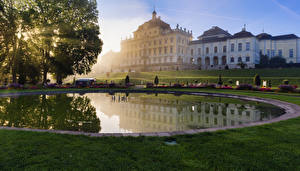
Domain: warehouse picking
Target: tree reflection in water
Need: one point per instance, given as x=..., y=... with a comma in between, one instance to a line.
x=59, y=112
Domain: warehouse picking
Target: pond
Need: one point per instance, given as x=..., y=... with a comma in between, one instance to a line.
x=130, y=113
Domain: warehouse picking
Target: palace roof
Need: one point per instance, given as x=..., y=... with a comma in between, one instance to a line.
x=265, y=36
x=214, y=32
x=242, y=34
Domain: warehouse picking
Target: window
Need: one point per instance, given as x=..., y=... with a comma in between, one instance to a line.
x=240, y=59
x=232, y=59
x=172, y=39
x=268, y=52
x=166, y=50
x=207, y=50
x=154, y=42
x=159, y=51
x=160, y=42
x=291, y=52
x=166, y=41
x=232, y=47
x=154, y=51
x=240, y=47
x=280, y=52
x=224, y=49
x=272, y=53
x=199, y=51
x=247, y=59
x=248, y=46
x=171, y=49
x=192, y=52
x=216, y=49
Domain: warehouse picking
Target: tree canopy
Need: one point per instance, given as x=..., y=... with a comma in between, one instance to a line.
x=41, y=37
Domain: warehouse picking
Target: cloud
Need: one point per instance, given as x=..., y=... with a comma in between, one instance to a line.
x=287, y=10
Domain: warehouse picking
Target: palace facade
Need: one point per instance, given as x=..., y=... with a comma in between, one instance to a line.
x=156, y=46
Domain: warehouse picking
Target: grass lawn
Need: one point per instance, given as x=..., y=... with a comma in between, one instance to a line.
x=244, y=76
x=269, y=147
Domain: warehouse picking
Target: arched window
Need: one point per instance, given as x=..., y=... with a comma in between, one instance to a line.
x=224, y=60
x=240, y=59
x=216, y=60
x=192, y=60
x=199, y=60
x=232, y=59
x=216, y=49
x=207, y=61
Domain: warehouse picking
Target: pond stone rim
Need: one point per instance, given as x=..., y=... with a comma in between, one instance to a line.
x=291, y=111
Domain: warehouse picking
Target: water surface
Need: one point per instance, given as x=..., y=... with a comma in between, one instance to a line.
x=130, y=113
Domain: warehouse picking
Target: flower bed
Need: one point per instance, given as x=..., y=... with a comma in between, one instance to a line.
x=287, y=88
x=244, y=87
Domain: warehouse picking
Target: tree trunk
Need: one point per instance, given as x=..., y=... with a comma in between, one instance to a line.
x=14, y=62
x=45, y=72
x=45, y=67
x=58, y=79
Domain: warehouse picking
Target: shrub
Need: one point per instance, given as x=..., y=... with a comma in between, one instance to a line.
x=112, y=85
x=286, y=82
x=33, y=87
x=3, y=87
x=245, y=87
x=15, y=85
x=177, y=86
x=265, y=89
x=226, y=87
x=286, y=88
x=127, y=80
x=51, y=85
x=149, y=85
x=211, y=86
x=230, y=81
x=156, y=80
x=220, y=81
x=257, y=80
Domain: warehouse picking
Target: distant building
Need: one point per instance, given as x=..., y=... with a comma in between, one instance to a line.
x=155, y=46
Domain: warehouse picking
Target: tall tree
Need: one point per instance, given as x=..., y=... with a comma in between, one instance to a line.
x=79, y=44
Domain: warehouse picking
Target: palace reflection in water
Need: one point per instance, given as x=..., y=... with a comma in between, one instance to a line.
x=119, y=113
x=150, y=113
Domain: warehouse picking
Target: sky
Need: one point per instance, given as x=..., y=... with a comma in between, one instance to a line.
x=119, y=18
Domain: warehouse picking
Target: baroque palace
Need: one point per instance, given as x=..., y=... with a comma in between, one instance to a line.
x=156, y=46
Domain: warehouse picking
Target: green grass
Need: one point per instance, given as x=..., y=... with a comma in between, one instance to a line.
x=244, y=76
x=269, y=147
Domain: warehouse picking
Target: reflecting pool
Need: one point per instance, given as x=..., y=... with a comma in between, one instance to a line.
x=130, y=113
